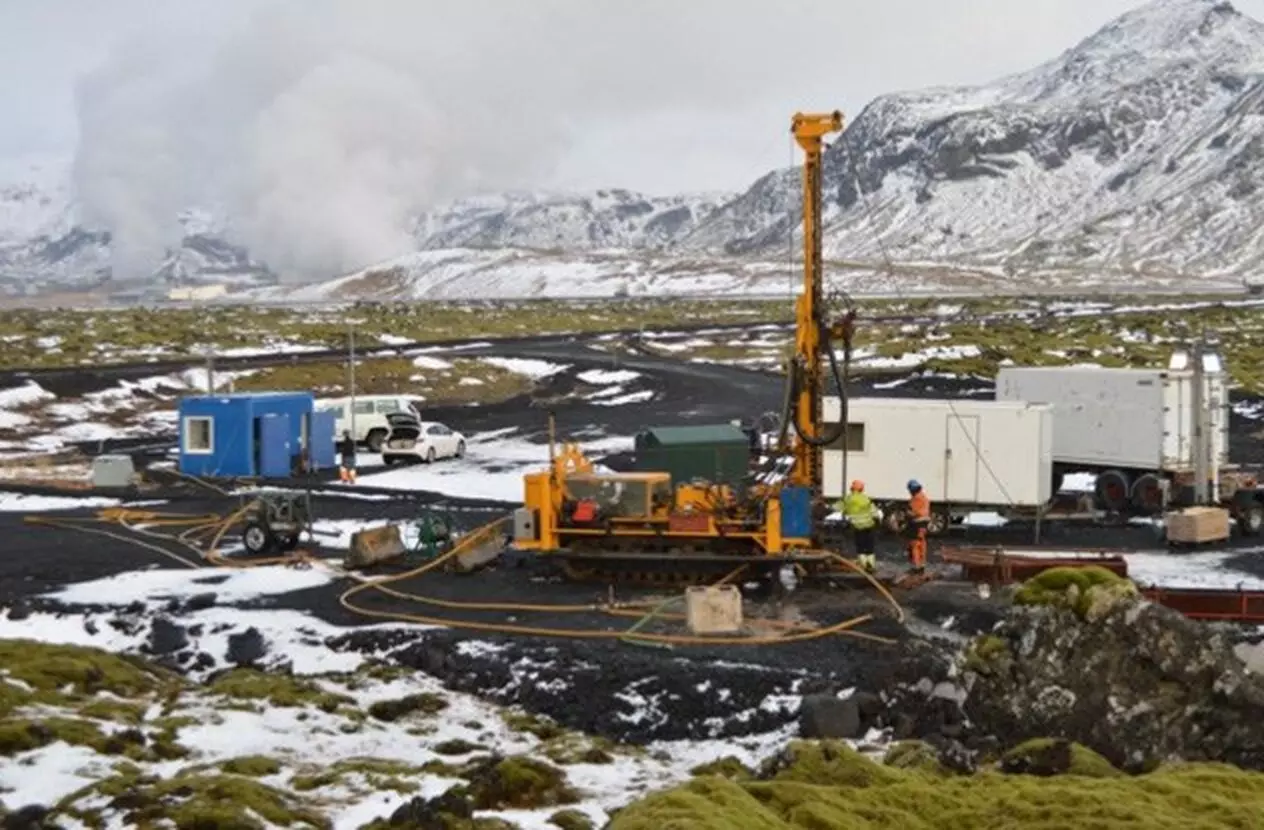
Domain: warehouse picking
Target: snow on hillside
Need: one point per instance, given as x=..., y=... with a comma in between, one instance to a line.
x=1132, y=151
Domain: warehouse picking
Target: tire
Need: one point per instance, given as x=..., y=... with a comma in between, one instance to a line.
x=940, y=521
x=1111, y=491
x=430, y=456
x=289, y=542
x=375, y=440
x=388, y=460
x=895, y=518
x=258, y=539
x=1251, y=519
x=1147, y=494
x=460, y=449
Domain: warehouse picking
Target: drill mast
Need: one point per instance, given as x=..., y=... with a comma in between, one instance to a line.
x=811, y=330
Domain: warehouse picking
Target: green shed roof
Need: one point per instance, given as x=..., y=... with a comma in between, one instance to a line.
x=702, y=434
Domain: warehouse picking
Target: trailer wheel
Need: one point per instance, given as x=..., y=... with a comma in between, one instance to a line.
x=895, y=517
x=1251, y=519
x=257, y=538
x=1147, y=494
x=1111, y=490
x=289, y=541
x=940, y=521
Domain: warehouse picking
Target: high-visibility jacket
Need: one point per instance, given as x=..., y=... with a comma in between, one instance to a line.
x=858, y=509
x=919, y=506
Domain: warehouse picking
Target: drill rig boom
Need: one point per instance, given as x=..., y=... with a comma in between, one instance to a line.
x=811, y=331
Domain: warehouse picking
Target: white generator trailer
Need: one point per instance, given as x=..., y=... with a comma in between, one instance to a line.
x=1135, y=429
x=970, y=456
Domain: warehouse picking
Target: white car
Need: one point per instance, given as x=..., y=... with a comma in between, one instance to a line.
x=413, y=440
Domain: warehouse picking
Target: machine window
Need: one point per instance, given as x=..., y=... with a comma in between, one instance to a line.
x=855, y=437
x=199, y=434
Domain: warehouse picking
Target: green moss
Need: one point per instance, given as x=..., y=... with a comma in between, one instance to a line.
x=576, y=748
x=917, y=755
x=378, y=773
x=541, y=727
x=571, y=820
x=519, y=782
x=1058, y=757
x=726, y=767
x=20, y=734
x=254, y=766
x=456, y=746
x=426, y=703
x=825, y=762
x=84, y=672
x=986, y=654
x=1086, y=591
x=276, y=689
x=194, y=802
x=115, y=711
x=1189, y=797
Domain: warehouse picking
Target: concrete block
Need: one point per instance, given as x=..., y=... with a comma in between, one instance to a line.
x=713, y=609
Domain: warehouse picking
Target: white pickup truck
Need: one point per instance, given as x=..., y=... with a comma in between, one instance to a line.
x=371, y=424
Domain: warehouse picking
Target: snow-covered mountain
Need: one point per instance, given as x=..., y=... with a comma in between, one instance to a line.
x=1136, y=150
x=605, y=219
x=1131, y=155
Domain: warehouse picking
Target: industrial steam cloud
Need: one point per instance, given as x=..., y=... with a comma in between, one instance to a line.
x=319, y=130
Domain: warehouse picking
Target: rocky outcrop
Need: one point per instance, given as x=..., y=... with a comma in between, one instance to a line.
x=1085, y=658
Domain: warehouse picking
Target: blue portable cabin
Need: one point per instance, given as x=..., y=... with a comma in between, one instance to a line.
x=264, y=434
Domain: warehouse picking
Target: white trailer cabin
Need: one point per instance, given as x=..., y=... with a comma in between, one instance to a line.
x=966, y=453
x=1126, y=419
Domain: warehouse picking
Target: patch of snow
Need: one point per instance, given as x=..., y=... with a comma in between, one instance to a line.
x=23, y=503
x=600, y=377
x=536, y=369
x=24, y=395
x=631, y=397
x=427, y=362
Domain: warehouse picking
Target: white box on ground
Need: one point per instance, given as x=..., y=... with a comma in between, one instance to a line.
x=1121, y=418
x=713, y=609
x=965, y=452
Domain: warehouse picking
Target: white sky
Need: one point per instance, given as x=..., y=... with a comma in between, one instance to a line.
x=725, y=120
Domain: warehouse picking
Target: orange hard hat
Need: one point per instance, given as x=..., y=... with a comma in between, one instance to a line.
x=857, y=486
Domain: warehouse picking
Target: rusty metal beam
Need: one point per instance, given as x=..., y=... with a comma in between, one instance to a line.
x=1001, y=566
x=1211, y=603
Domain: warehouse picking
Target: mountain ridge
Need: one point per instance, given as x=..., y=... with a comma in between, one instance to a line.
x=1130, y=154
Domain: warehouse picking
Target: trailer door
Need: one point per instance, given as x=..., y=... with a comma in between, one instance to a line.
x=961, y=459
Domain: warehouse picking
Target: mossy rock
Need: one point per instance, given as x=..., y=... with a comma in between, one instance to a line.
x=537, y=725
x=825, y=762
x=22, y=734
x=1085, y=591
x=1190, y=797
x=1050, y=756
x=571, y=820
x=426, y=703
x=193, y=802
x=914, y=755
x=576, y=748
x=254, y=766
x=379, y=773
x=726, y=767
x=987, y=654
x=277, y=689
x=519, y=782
x=53, y=671
x=114, y=711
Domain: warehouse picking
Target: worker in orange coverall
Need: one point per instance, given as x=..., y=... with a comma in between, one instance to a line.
x=919, y=525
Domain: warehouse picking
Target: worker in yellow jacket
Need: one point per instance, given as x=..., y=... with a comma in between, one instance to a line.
x=862, y=516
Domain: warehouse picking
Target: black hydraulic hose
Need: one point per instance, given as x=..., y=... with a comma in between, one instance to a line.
x=841, y=381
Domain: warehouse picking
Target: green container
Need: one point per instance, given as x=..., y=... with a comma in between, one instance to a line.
x=719, y=453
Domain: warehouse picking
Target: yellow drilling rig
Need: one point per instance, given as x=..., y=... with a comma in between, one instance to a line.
x=644, y=526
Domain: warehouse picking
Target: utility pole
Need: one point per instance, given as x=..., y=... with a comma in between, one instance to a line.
x=210, y=368
x=351, y=375
x=1199, y=425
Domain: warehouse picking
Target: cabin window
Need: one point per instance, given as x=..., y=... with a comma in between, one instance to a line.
x=855, y=441
x=199, y=435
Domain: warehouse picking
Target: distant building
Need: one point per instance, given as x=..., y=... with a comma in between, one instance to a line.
x=189, y=293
